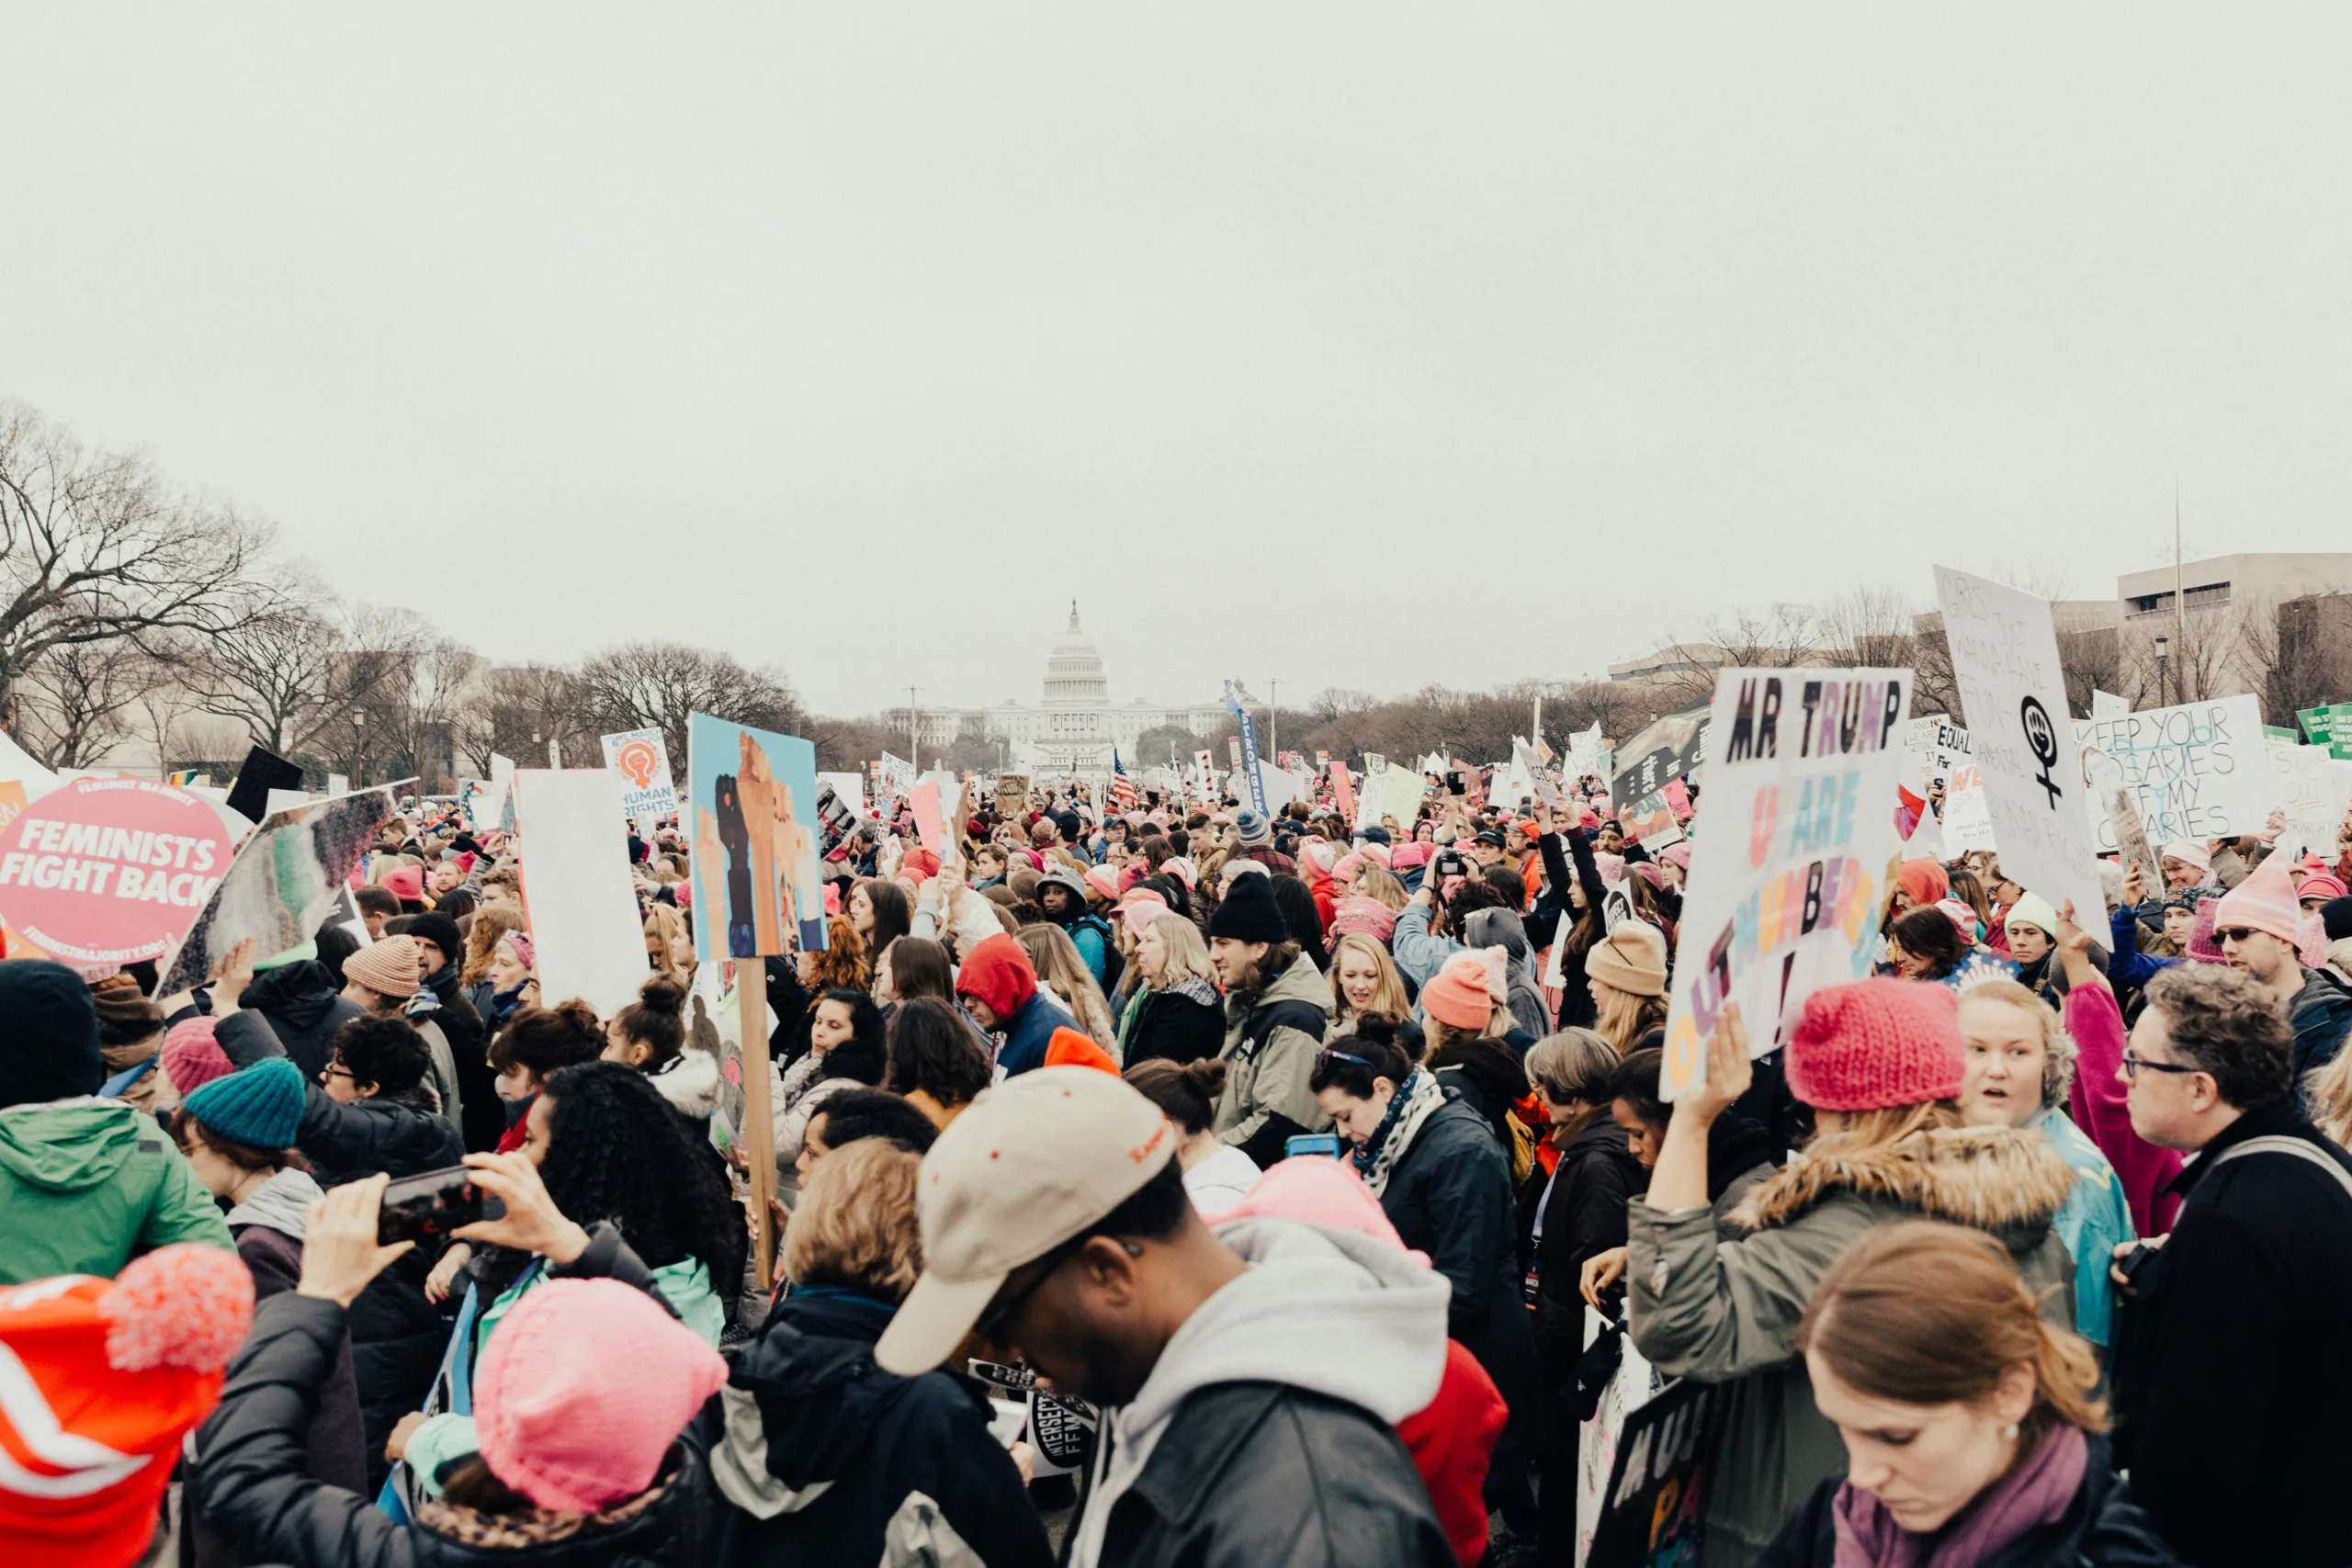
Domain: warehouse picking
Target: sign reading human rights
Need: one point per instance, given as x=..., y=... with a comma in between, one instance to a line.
x=110, y=871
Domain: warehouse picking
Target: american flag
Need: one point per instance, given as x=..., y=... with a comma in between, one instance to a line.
x=1123, y=788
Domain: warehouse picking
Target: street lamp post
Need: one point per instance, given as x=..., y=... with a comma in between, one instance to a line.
x=359, y=745
x=2163, y=658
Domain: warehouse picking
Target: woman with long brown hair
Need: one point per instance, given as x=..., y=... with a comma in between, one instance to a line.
x=1971, y=1433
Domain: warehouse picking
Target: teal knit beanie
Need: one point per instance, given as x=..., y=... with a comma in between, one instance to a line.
x=259, y=1106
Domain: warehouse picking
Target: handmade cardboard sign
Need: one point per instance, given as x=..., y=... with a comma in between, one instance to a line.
x=2004, y=655
x=642, y=758
x=282, y=885
x=110, y=871
x=755, y=837
x=1784, y=896
x=586, y=935
x=2196, y=771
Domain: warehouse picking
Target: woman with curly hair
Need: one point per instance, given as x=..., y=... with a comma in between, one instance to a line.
x=490, y=922
x=847, y=1046
x=608, y=1149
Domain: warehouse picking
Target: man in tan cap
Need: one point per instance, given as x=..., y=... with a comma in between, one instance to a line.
x=1251, y=1378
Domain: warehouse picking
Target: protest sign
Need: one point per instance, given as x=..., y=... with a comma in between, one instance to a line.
x=18, y=766
x=263, y=772
x=1584, y=753
x=1658, y=1491
x=897, y=780
x=109, y=870
x=1343, y=789
x=1651, y=821
x=1253, y=771
x=641, y=757
x=1679, y=760
x=2004, y=655
x=2196, y=771
x=1402, y=798
x=1013, y=796
x=1784, y=897
x=586, y=936
x=755, y=866
x=924, y=802
x=848, y=788
x=2131, y=838
x=1967, y=815
x=287, y=800
x=338, y=784
x=282, y=884
x=12, y=801
x=1677, y=799
x=1602, y=1438
x=2107, y=705
x=2310, y=788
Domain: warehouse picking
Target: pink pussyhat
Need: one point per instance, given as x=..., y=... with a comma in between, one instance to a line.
x=1319, y=1190
x=583, y=1389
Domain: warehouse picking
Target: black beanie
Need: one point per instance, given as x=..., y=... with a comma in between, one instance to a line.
x=2336, y=919
x=1250, y=913
x=441, y=931
x=52, y=1046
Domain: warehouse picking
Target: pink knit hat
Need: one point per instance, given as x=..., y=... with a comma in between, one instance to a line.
x=1103, y=882
x=551, y=1419
x=1141, y=905
x=2320, y=884
x=405, y=882
x=2190, y=852
x=1876, y=1045
x=1677, y=854
x=1364, y=917
x=2264, y=901
x=1319, y=1192
x=1464, y=993
x=191, y=1057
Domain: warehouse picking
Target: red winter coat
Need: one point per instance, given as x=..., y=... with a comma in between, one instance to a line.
x=1452, y=1440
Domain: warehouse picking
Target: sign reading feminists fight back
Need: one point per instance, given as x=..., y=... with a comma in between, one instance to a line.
x=1787, y=882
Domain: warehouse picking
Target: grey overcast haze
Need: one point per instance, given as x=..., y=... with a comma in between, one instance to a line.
x=1361, y=345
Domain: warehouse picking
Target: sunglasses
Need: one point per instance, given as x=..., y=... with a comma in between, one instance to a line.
x=1326, y=1056
x=2132, y=1064
x=2233, y=933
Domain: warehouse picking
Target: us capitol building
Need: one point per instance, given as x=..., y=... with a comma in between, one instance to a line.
x=1074, y=727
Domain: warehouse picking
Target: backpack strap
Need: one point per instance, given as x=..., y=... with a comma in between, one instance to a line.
x=2302, y=1148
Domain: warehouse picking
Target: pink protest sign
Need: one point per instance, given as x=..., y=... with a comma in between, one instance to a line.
x=111, y=870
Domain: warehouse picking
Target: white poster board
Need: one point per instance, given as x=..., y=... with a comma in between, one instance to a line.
x=849, y=789
x=2004, y=655
x=2310, y=787
x=1803, y=767
x=577, y=893
x=2195, y=771
x=2107, y=705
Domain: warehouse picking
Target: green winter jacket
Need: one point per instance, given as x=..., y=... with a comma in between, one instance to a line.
x=87, y=1185
x=1270, y=1042
x=1727, y=1312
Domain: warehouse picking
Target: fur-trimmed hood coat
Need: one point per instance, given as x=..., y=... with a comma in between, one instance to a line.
x=1727, y=1312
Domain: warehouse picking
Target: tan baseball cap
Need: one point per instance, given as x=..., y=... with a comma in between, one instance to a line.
x=1026, y=1166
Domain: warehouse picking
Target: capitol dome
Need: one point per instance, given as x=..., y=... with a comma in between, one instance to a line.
x=1074, y=671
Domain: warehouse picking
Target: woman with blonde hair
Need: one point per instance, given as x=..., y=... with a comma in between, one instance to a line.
x=667, y=946
x=1379, y=884
x=1626, y=973
x=1061, y=971
x=1365, y=978
x=1883, y=1064
x=825, y=1457
x=1176, y=1013
x=1969, y=1430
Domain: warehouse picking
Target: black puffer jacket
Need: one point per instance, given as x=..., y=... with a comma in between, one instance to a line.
x=1180, y=1026
x=396, y=1336
x=484, y=1112
x=1583, y=1215
x=1262, y=1472
x=2099, y=1529
x=248, y=1478
x=1449, y=1195
x=304, y=1008
x=817, y=1455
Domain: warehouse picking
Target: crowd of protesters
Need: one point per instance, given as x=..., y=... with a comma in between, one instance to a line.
x=1198, y=1185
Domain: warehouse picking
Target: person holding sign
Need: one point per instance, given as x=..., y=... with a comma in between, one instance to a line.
x=1972, y=1434
x=1882, y=1065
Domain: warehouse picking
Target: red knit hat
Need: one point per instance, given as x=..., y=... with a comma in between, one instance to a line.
x=1876, y=1045
x=114, y=1373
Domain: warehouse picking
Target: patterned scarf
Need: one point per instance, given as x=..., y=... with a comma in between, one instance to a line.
x=1415, y=1099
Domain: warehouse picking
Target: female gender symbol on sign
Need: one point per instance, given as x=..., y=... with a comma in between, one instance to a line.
x=2044, y=741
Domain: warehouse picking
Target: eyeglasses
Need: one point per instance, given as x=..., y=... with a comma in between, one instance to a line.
x=336, y=1070
x=2132, y=1064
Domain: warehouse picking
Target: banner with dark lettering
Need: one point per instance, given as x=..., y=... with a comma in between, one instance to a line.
x=1798, y=846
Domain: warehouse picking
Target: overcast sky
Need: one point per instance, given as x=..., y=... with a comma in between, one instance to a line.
x=1348, y=345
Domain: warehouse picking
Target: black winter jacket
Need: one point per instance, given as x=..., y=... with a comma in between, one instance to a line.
x=1584, y=1214
x=1449, y=1195
x=1259, y=1474
x=2321, y=1015
x=2233, y=1365
x=303, y=1007
x=1555, y=917
x=1176, y=1028
x=817, y=1455
x=461, y=1026
x=248, y=1478
x=2099, y=1529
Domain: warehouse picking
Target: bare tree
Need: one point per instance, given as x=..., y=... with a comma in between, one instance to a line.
x=658, y=685
x=270, y=670
x=97, y=549
x=75, y=703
